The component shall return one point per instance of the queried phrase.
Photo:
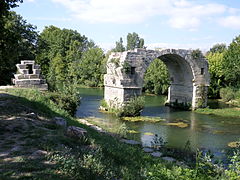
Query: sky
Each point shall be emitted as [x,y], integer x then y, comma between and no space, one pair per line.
[186,24]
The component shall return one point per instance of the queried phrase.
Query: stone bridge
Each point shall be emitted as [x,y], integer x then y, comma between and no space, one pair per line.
[189,76]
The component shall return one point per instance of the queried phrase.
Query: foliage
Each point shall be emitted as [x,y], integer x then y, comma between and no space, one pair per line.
[227,94]
[103,103]
[231,63]
[234,168]
[134,41]
[115,61]
[17,42]
[196,54]
[91,68]
[216,70]
[126,68]
[123,130]
[218,48]
[156,79]
[132,108]
[204,164]
[58,50]
[181,105]
[119,46]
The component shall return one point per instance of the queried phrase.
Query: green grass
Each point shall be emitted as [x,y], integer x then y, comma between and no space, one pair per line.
[99,156]
[225,112]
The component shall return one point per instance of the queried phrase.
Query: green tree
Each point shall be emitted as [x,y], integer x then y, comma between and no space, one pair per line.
[231,63]
[218,48]
[216,70]
[18,42]
[58,50]
[119,46]
[156,79]
[134,41]
[91,68]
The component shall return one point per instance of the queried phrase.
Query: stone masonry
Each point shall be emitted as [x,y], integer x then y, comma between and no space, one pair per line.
[125,72]
[28,76]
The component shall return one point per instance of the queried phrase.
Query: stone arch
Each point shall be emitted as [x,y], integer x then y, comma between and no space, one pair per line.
[125,73]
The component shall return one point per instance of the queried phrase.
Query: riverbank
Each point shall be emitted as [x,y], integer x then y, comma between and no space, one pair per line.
[32,146]
[232,109]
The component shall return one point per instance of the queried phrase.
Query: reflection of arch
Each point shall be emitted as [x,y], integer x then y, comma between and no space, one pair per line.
[190,77]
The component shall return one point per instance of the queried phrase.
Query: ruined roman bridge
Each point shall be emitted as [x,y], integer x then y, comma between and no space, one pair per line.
[189,76]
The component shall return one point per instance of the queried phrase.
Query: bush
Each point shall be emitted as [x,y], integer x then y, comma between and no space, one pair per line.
[227,94]
[132,108]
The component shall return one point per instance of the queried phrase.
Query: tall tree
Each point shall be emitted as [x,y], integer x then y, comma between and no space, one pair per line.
[58,49]
[119,46]
[216,70]
[18,42]
[218,48]
[231,63]
[134,41]
[91,67]
[156,79]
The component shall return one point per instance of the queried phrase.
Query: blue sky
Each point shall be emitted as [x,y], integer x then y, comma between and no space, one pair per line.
[162,23]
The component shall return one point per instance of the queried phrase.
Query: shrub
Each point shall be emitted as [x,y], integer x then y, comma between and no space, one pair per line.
[227,94]
[126,68]
[132,108]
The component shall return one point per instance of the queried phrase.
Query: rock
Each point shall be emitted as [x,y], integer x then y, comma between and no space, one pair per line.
[169,159]
[156,154]
[76,132]
[60,121]
[101,108]
[147,150]
[129,141]
[38,154]
[31,115]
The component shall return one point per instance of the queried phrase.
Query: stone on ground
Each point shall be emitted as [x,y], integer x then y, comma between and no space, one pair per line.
[76,132]
[147,150]
[60,121]
[169,159]
[156,154]
[129,141]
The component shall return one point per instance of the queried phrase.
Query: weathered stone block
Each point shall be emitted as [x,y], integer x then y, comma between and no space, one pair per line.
[29,76]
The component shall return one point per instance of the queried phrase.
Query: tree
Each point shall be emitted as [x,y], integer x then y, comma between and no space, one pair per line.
[119,46]
[58,50]
[231,63]
[218,48]
[134,41]
[156,79]
[91,68]
[216,70]
[18,42]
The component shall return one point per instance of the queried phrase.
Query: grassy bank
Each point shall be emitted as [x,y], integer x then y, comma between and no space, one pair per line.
[225,112]
[27,128]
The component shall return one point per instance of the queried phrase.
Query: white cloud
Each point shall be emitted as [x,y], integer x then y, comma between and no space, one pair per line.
[181,14]
[30,0]
[52,19]
[230,22]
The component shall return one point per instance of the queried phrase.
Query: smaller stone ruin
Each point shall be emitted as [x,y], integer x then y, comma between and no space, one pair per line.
[28,76]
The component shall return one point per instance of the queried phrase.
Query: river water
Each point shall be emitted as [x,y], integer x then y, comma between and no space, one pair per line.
[203,131]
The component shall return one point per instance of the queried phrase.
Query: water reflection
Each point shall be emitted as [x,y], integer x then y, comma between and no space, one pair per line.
[203,131]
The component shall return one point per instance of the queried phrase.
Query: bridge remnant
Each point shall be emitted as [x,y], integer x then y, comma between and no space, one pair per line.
[28,76]
[188,74]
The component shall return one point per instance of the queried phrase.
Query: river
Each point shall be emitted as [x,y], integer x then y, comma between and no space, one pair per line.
[203,131]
